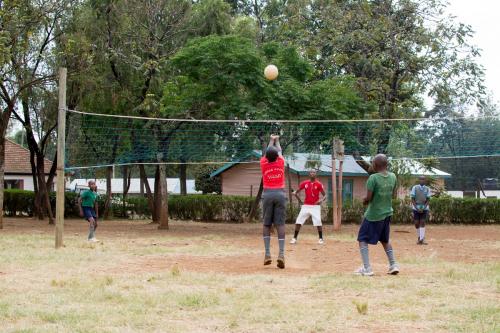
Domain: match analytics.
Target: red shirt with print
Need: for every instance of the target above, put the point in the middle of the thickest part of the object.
(312, 189)
(273, 173)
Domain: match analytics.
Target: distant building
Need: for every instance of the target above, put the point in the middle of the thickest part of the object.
(173, 185)
(242, 177)
(18, 174)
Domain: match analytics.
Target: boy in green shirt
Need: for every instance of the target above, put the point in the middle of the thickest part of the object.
(89, 209)
(381, 188)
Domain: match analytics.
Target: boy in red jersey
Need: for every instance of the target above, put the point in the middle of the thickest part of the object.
(312, 205)
(272, 166)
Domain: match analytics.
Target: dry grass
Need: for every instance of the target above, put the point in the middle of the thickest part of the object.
(94, 288)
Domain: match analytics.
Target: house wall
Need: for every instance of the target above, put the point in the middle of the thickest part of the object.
(27, 181)
(242, 179)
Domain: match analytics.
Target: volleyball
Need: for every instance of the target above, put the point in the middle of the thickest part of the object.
(271, 72)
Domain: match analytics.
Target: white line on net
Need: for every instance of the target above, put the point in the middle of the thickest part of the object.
(252, 162)
(284, 120)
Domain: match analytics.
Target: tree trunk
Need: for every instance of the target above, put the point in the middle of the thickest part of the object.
(163, 202)
(42, 186)
(182, 178)
(149, 194)
(255, 204)
(2, 171)
(107, 204)
(37, 209)
(126, 186)
(157, 195)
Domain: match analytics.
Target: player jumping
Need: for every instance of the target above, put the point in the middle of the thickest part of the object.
(273, 198)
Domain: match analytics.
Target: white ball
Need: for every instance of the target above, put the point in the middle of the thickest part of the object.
(271, 72)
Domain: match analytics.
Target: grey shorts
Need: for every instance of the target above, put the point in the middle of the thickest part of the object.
(273, 207)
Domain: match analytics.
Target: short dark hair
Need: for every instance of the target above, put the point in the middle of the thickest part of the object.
(271, 154)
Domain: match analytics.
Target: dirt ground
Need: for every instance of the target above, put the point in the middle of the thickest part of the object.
(339, 254)
(207, 277)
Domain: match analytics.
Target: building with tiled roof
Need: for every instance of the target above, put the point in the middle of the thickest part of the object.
(18, 168)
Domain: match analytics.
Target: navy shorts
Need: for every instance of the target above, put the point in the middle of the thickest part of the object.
(417, 216)
(274, 207)
(372, 232)
(89, 212)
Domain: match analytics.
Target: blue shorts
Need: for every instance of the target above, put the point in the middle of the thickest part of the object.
(372, 232)
(417, 216)
(89, 212)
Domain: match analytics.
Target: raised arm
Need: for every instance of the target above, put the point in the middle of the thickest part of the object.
(275, 141)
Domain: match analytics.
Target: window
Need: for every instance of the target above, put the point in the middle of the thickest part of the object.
(17, 184)
(347, 190)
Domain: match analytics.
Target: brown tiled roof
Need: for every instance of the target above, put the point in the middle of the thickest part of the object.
(17, 159)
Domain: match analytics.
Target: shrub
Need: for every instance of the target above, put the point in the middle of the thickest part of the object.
(212, 207)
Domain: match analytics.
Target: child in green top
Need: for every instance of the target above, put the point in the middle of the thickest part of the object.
(89, 209)
(381, 188)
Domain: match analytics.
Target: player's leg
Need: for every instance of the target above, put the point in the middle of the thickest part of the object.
(416, 220)
(423, 218)
(364, 237)
(267, 216)
(301, 219)
(389, 251)
(316, 218)
(91, 221)
(279, 221)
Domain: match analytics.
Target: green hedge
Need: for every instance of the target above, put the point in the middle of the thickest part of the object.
(204, 207)
(210, 207)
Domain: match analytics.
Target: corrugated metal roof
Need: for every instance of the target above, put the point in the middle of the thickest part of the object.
(416, 168)
(299, 164)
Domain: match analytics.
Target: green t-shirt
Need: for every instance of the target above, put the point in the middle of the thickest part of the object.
(382, 187)
(88, 198)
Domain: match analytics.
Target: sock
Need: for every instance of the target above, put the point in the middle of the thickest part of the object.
(91, 231)
(364, 256)
(267, 245)
(390, 256)
(296, 234)
(418, 233)
(422, 233)
(320, 233)
(282, 247)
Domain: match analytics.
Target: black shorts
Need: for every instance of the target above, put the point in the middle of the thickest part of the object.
(372, 232)
(273, 207)
(417, 216)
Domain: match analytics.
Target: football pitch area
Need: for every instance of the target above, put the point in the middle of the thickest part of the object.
(203, 277)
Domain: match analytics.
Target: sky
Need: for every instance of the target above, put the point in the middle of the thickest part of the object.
(483, 16)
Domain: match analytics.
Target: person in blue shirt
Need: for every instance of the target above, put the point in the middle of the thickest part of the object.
(420, 195)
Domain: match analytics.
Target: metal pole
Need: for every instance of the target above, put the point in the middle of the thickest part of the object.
(61, 132)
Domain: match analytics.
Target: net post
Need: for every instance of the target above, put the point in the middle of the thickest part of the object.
(340, 155)
(334, 185)
(61, 129)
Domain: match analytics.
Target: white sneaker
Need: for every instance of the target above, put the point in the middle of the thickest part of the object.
(293, 241)
(321, 241)
(393, 270)
(364, 272)
(93, 240)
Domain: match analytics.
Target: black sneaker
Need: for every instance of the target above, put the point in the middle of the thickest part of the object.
(267, 260)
